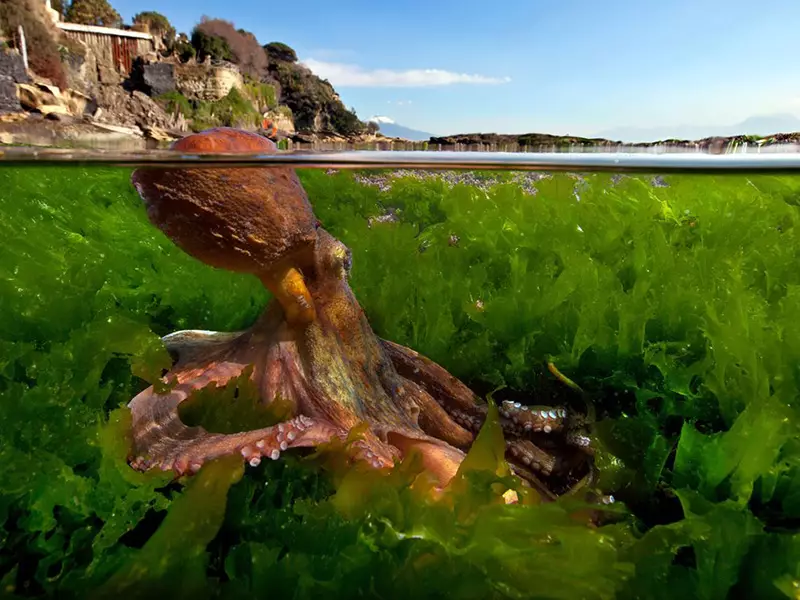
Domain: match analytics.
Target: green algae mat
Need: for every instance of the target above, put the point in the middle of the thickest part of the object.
(676, 307)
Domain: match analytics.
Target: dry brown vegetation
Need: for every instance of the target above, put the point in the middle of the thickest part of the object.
(43, 54)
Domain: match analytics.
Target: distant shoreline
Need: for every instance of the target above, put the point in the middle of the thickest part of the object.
(47, 133)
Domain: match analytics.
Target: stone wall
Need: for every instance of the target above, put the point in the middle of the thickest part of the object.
(205, 81)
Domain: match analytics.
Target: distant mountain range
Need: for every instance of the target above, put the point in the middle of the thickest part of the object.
(757, 125)
(391, 129)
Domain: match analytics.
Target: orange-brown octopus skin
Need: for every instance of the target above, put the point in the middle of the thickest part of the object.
(312, 347)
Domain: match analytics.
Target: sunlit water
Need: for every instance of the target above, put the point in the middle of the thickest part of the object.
(770, 159)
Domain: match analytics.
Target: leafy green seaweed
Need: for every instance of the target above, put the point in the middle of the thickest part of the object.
(673, 307)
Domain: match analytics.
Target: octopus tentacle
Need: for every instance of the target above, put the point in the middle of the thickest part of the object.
(433, 378)
(460, 406)
(435, 420)
(533, 418)
(532, 456)
(187, 450)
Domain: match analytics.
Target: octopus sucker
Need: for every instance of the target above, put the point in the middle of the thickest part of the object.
(312, 351)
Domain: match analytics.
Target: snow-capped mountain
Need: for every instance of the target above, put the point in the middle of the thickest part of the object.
(391, 129)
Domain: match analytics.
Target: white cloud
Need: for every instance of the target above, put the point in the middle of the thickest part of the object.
(381, 119)
(348, 75)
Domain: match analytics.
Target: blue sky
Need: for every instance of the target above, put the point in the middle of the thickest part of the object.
(581, 67)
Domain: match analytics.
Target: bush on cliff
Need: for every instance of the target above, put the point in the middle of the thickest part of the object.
(183, 48)
(157, 25)
(240, 46)
(210, 46)
(314, 102)
(93, 12)
(279, 51)
(234, 110)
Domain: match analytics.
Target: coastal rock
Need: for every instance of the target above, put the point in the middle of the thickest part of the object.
(207, 82)
(12, 72)
(154, 78)
(56, 112)
(9, 103)
(12, 68)
(80, 66)
(281, 119)
(32, 97)
(158, 134)
(133, 109)
(49, 100)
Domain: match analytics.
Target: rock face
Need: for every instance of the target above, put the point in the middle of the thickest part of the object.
(81, 71)
(282, 120)
(206, 82)
(54, 103)
(154, 78)
(132, 109)
(12, 72)
(8, 97)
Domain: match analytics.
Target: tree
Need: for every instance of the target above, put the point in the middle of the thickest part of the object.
(277, 51)
(344, 121)
(156, 25)
(58, 6)
(183, 48)
(210, 45)
(242, 46)
(93, 12)
(373, 127)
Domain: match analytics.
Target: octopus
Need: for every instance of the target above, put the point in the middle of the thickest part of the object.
(312, 350)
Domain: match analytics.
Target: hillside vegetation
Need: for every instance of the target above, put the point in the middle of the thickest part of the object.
(314, 104)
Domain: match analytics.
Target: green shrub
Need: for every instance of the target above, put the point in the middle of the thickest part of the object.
(210, 45)
(278, 51)
(284, 111)
(263, 95)
(93, 12)
(157, 25)
(175, 101)
(310, 97)
(234, 110)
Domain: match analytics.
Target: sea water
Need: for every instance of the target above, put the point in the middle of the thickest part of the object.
(665, 285)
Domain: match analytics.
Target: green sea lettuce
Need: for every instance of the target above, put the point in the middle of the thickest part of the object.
(675, 309)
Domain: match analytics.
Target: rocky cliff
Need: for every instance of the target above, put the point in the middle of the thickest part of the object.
(176, 87)
(12, 72)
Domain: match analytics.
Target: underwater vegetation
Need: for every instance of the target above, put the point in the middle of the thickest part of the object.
(674, 307)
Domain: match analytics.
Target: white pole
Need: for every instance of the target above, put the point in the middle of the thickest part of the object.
(23, 47)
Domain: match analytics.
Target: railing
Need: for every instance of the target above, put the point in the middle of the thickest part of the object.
(78, 28)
